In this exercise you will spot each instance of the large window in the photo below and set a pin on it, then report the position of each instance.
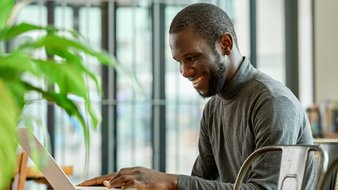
(138, 32)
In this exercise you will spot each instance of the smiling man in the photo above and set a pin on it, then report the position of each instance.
(247, 110)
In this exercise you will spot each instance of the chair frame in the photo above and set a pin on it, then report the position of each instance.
(288, 151)
(21, 173)
(324, 180)
(331, 147)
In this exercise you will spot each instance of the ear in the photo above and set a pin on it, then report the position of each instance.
(226, 43)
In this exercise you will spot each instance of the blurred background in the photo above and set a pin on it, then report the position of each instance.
(155, 122)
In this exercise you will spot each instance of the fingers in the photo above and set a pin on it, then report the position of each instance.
(124, 172)
(90, 182)
(97, 180)
(124, 182)
(123, 176)
(132, 183)
(117, 181)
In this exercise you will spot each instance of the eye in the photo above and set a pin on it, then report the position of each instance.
(177, 61)
(192, 58)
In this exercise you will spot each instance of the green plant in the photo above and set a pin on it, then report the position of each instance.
(62, 71)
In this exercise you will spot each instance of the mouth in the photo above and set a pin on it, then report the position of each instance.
(196, 81)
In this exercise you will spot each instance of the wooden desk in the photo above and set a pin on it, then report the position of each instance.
(35, 174)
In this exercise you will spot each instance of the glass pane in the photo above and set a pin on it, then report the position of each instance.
(241, 23)
(134, 104)
(35, 14)
(64, 17)
(305, 36)
(270, 38)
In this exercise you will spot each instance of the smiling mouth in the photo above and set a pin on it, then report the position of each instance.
(196, 81)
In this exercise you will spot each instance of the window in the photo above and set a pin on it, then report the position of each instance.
(132, 30)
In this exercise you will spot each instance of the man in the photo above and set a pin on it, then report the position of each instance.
(247, 110)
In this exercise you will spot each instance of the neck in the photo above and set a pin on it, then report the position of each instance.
(235, 59)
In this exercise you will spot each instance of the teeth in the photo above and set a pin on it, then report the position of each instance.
(197, 80)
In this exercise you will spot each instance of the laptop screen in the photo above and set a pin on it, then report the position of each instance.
(52, 172)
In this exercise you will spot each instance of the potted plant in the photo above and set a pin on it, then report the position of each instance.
(62, 70)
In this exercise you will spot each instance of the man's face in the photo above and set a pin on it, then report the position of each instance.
(199, 62)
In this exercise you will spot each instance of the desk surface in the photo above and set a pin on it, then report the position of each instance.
(34, 174)
(325, 140)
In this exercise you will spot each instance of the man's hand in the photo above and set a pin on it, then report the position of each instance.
(97, 180)
(142, 179)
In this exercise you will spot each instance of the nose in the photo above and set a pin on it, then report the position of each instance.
(186, 70)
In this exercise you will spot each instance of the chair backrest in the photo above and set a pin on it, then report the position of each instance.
(293, 164)
(326, 178)
(331, 147)
(21, 173)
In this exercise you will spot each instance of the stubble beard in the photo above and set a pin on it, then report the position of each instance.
(217, 79)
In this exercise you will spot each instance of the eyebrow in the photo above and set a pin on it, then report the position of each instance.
(191, 54)
(187, 55)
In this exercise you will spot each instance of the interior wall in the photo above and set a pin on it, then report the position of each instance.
(326, 50)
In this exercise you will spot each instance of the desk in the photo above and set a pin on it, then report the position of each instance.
(34, 174)
(325, 140)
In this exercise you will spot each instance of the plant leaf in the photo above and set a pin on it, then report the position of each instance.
(68, 105)
(18, 62)
(18, 91)
(65, 76)
(74, 59)
(63, 68)
(16, 30)
(6, 7)
(56, 41)
(9, 114)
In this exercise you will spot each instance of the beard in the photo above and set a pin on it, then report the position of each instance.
(217, 78)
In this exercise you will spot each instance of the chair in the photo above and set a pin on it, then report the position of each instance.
(331, 147)
(326, 178)
(20, 173)
(23, 173)
(293, 164)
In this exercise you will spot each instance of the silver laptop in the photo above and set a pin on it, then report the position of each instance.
(52, 172)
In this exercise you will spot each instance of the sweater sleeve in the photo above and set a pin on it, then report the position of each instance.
(204, 174)
(186, 182)
(278, 120)
(205, 166)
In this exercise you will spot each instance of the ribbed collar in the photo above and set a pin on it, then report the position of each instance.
(244, 73)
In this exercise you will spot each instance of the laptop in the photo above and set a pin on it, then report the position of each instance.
(52, 172)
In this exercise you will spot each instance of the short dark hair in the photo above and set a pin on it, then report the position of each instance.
(208, 20)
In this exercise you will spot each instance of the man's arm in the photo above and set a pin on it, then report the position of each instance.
(277, 120)
(136, 177)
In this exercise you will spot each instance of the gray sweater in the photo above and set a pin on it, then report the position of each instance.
(253, 111)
